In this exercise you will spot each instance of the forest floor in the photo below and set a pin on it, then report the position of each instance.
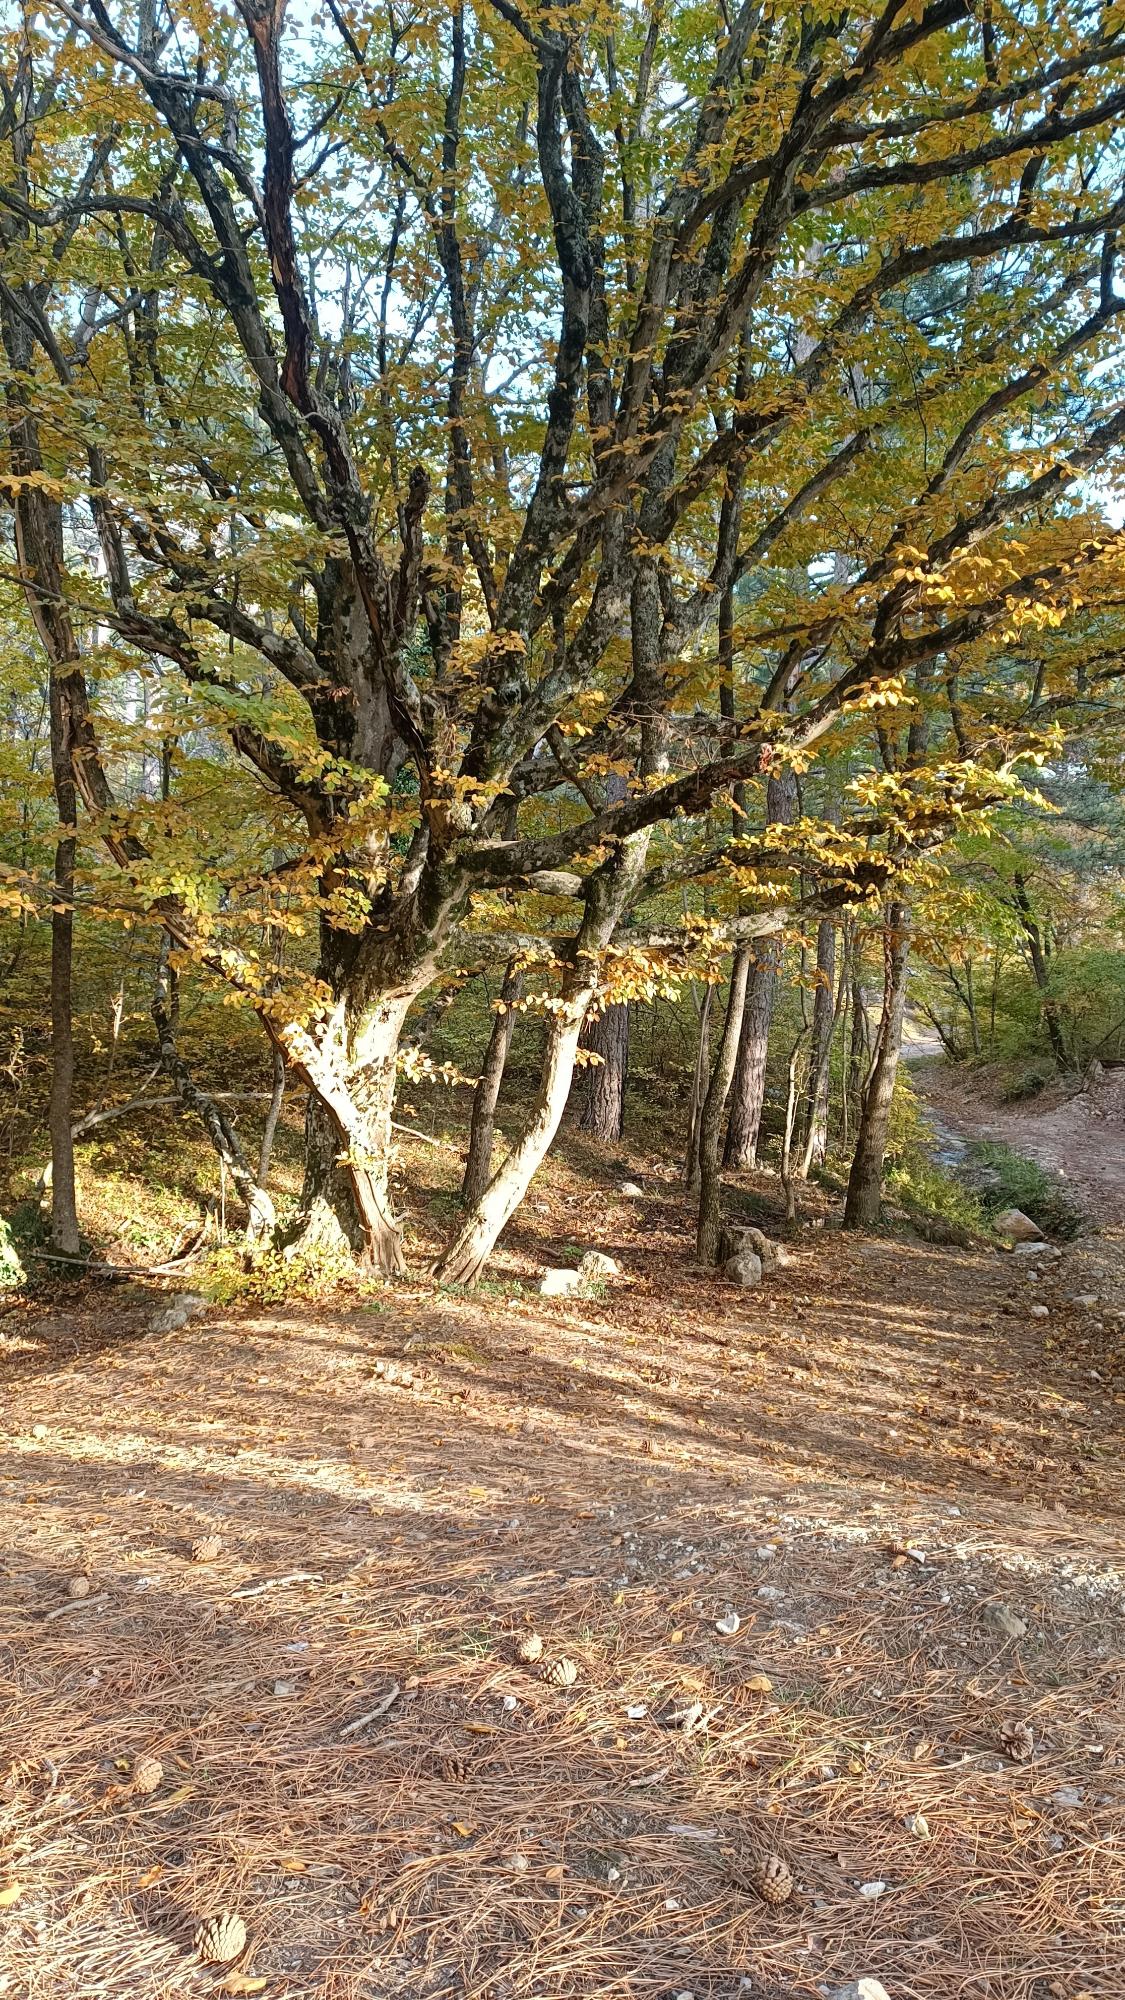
(878, 1462)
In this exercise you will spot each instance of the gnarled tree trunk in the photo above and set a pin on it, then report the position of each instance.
(865, 1183)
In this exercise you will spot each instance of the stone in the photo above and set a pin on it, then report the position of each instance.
(595, 1266)
(1040, 1312)
(559, 1284)
(182, 1307)
(1086, 1299)
(1067, 1796)
(1016, 1227)
(744, 1269)
(860, 1989)
(631, 1188)
(1037, 1249)
(1005, 1622)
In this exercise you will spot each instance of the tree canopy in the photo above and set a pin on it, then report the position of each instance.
(509, 443)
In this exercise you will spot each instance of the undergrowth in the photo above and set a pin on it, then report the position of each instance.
(924, 1188)
(1006, 1179)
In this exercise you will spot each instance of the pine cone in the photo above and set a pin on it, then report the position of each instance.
(147, 1777)
(79, 1586)
(221, 1938)
(766, 1875)
(206, 1547)
(561, 1673)
(529, 1649)
(1017, 1741)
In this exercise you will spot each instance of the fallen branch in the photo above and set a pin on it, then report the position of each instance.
(276, 1582)
(373, 1714)
(76, 1604)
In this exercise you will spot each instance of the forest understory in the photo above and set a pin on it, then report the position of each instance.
(906, 1488)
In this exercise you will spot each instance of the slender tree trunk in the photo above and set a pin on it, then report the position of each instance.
(825, 1016)
(608, 894)
(269, 1130)
(865, 1183)
(64, 1208)
(262, 1220)
(749, 1086)
(478, 1168)
(709, 1228)
(603, 1107)
(699, 1080)
(1038, 954)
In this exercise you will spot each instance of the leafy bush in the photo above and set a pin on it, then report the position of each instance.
(1006, 1179)
(272, 1278)
(923, 1188)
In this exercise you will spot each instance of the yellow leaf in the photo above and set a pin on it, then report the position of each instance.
(758, 1684)
(242, 1982)
(676, 1638)
(10, 1895)
(460, 1826)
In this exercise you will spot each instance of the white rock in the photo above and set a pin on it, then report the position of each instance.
(871, 1890)
(182, 1307)
(632, 1190)
(1067, 1796)
(595, 1264)
(559, 1284)
(744, 1269)
(728, 1624)
(1016, 1227)
(861, 1989)
(1036, 1249)
(1040, 1312)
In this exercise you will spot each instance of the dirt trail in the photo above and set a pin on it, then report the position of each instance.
(863, 1460)
(1078, 1135)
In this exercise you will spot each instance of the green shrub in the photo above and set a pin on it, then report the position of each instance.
(270, 1277)
(1006, 1179)
(923, 1188)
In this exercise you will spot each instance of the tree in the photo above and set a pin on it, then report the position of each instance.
(410, 434)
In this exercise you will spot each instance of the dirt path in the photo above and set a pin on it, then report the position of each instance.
(1079, 1135)
(863, 1461)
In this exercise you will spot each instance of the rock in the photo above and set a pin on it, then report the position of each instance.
(559, 1284)
(1040, 1312)
(1037, 1249)
(182, 1307)
(631, 1188)
(1067, 1796)
(1016, 1227)
(595, 1266)
(860, 1989)
(1086, 1299)
(745, 1269)
(999, 1619)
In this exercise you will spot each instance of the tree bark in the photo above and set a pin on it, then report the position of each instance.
(865, 1183)
(64, 1207)
(749, 1086)
(699, 1080)
(709, 1226)
(603, 1107)
(815, 1143)
(482, 1128)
